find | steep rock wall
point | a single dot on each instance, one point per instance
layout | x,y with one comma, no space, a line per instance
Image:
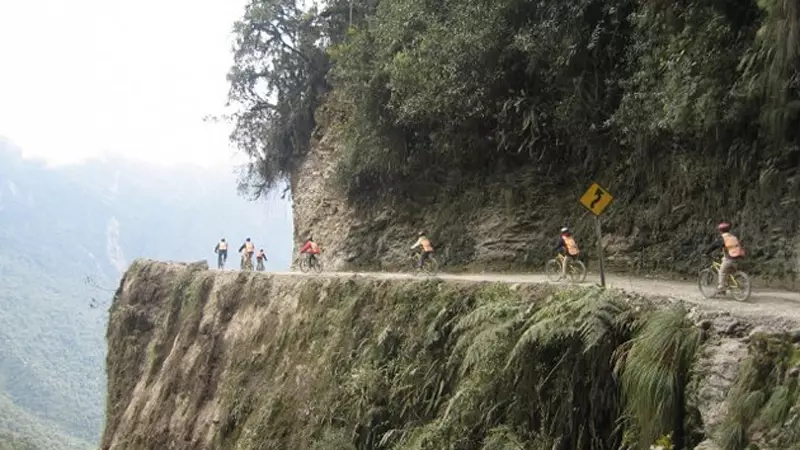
509,219
203,359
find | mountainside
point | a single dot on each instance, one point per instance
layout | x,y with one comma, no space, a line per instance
59,226
200,359
484,125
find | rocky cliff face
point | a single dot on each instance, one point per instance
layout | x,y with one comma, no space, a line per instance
509,219
202,359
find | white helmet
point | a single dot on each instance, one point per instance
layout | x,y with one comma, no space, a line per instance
564,229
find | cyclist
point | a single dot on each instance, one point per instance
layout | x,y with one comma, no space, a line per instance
221,250
567,244
732,253
427,248
260,258
247,249
311,249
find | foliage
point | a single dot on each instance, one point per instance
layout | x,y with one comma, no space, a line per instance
10,441
655,372
277,80
764,395
422,88
55,230
395,365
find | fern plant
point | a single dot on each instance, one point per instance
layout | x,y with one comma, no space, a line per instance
655,369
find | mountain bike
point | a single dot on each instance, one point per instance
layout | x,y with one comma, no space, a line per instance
307,263
576,270
738,282
430,267
221,258
246,263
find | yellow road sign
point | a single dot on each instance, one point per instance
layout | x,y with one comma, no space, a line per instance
596,199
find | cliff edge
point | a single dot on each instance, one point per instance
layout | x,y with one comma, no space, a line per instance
202,359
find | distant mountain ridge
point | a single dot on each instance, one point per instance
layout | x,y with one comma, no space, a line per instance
62,224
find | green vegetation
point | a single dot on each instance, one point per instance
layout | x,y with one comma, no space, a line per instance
55,230
765,397
366,364
11,442
656,374
457,83
685,110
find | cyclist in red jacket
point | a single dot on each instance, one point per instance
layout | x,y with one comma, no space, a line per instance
311,249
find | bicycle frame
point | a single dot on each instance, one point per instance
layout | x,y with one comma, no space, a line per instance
718,266
561,258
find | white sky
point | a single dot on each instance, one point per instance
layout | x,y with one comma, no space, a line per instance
79,78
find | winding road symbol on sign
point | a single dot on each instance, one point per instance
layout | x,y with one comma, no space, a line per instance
596,199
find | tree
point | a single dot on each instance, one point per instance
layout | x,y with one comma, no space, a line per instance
277,81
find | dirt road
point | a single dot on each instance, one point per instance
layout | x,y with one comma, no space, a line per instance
775,308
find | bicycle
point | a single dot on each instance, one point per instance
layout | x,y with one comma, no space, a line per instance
246,263
738,282
430,266
221,259
576,270
311,263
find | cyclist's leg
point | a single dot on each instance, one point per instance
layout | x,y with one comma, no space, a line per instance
564,265
724,269
422,258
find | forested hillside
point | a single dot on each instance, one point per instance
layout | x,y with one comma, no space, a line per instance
484,121
59,226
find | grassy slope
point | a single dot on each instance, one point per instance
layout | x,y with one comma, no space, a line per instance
359,362
246,361
23,430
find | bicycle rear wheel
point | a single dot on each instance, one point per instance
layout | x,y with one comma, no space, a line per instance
552,270
431,266
303,265
707,282
740,286
577,271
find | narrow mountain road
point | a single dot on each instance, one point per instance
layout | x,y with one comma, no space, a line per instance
772,307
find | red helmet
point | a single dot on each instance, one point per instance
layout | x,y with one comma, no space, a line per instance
723,227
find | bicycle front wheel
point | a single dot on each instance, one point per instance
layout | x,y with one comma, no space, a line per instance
707,282
317,265
431,266
577,271
552,270
740,286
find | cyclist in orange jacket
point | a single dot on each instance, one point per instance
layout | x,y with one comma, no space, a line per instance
427,248
221,250
247,249
732,252
567,244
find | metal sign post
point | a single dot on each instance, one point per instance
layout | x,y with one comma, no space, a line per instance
596,200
